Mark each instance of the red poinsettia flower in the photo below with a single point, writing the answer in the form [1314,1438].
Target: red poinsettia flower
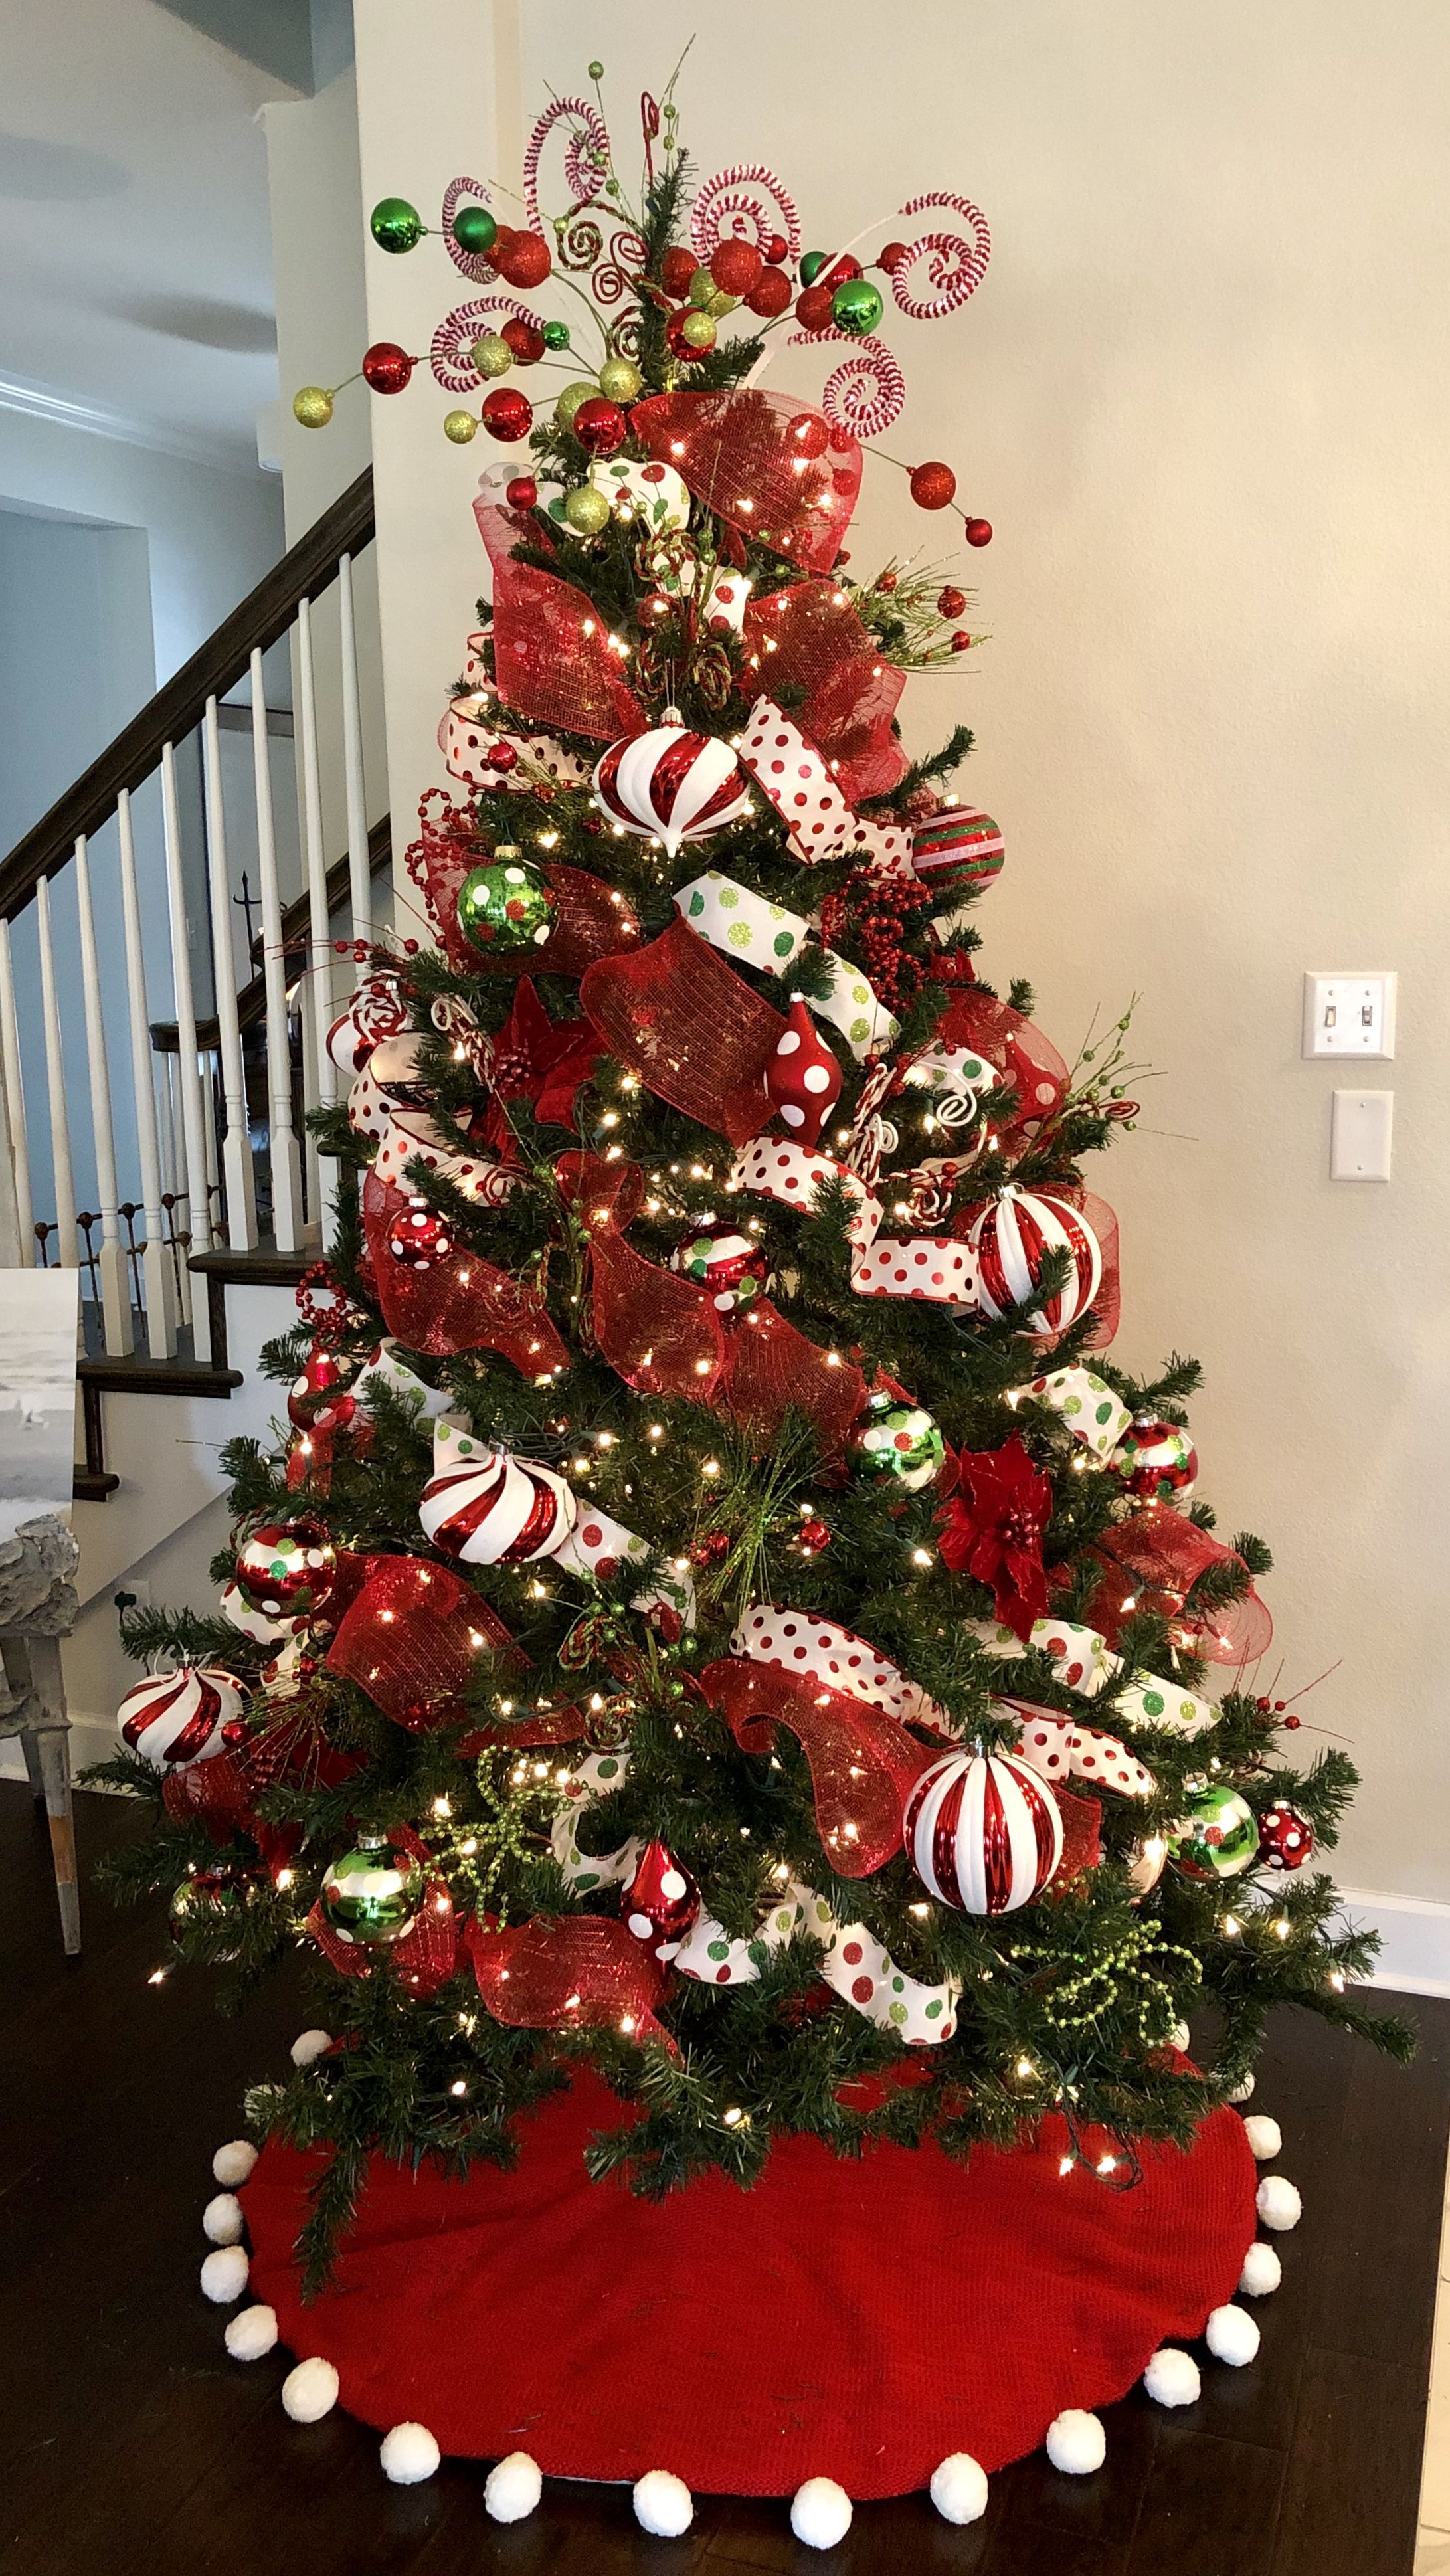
[537,1062]
[992,1528]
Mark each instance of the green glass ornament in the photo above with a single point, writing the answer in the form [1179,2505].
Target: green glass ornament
[856,307]
[620,380]
[567,403]
[1218,1836]
[507,904]
[474,229]
[556,335]
[395,225]
[586,510]
[897,1442]
[698,331]
[460,426]
[491,354]
[373,1894]
[812,263]
[312,405]
[596,71]
[211,1900]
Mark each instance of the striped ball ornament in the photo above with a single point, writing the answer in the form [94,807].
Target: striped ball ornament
[983,1831]
[174,1719]
[672,785]
[496,1510]
[1010,1239]
[958,846]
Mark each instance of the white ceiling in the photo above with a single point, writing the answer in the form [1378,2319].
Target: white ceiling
[135,261]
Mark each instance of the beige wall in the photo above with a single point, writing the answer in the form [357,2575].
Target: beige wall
[1204,394]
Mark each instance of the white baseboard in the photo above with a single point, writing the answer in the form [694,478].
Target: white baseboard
[1415,1935]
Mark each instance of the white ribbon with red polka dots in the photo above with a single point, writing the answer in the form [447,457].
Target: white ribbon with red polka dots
[1057,1746]
[795,1642]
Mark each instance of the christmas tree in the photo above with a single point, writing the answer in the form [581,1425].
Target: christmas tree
[716,1609]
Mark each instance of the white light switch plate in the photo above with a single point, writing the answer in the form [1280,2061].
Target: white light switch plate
[1359,1135]
[1349,1015]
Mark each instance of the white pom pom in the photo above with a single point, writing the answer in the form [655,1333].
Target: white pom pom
[1262,2271]
[224,2274]
[1076,2442]
[959,2488]
[663,2504]
[512,2488]
[1265,2137]
[1243,2092]
[221,2220]
[233,2164]
[309,2045]
[251,2332]
[1278,2203]
[409,2454]
[820,2513]
[1178,2038]
[1232,2335]
[1171,2377]
[310,2391]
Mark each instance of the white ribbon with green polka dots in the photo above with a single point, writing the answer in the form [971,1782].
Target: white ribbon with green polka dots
[765,935]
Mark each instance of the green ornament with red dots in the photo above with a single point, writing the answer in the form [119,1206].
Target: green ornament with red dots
[373,1894]
[897,1442]
[506,905]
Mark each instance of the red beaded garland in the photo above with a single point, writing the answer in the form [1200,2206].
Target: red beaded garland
[507,414]
[933,485]
[386,367]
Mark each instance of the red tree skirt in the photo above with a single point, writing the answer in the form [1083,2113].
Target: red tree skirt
[857,2321]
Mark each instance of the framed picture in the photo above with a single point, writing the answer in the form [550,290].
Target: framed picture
[39,1314]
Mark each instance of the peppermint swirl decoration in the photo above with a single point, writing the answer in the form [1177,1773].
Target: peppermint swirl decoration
[954,266]
[865,394]
[744,203]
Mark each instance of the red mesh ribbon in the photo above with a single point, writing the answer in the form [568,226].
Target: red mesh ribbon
[464,1305]
[1030,1061]
[770,1367]
[591,919]
[415,1640]
[1151,1561]
[216,1794]
[864,1765]
[740,454]
[426,1957]
[808,638]
[680,1018]
[568,1972]
[1082,1846]
[552,657]
[658,1331]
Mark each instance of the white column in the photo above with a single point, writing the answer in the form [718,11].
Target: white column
[286,1168]
[67,1237]
[237,1173]
[115,1284]
[188,1088]
[359,873]
[155,1260]
[15,1102]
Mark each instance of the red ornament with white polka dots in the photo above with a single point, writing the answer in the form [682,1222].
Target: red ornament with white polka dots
[1286,1839]
[661,1901]
[803,1078]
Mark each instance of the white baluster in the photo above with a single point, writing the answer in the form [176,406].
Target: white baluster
[67,1236]
[286,1167]
[205,1061]
[359,872]
[237,1172]
[12,1250]
[188,1088]
[115,1284]
[316,994]
[15,1102]
[172,1173]
[307,1032]
[155,1260]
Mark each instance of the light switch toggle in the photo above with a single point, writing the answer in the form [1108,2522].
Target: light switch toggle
[1359,1135]
[1349,1015]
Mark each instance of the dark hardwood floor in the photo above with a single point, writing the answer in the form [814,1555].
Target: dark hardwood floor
[129,2444]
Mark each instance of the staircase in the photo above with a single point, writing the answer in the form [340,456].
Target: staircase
[204,1045]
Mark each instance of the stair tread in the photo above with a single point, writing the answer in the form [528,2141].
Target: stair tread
[139,1374]
[264,1268]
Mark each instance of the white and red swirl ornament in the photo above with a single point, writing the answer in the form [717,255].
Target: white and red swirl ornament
[984,1832]
[1010,1240]
[174,1719]
[485,1507]
[671,785]
[376,1011]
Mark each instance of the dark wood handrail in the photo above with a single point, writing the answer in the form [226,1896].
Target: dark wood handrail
[303,573]
[296,925]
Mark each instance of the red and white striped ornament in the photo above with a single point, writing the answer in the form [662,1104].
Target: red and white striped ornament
[983,1831]
[958,846]
[672,785]
[488,1508]
[377,1010]
[1010,1239]
[175,1719]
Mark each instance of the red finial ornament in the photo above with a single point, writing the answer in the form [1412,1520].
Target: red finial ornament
[661,1901]
[803,1078]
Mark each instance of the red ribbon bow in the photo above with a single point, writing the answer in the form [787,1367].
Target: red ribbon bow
[658,1331]
[463,1303]
[568,1972]
[863,1763]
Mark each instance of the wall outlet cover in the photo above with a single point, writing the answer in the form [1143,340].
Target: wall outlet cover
[1360,1129]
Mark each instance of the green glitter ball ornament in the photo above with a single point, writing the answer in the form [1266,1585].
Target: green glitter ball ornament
[460,426]
[856,307]
[1218,1836]
[395,225]
[556,335]
[567,403]
[506,905]
[491,354]
[312,405]
[586,510]
[596,71]
[474,229]
[372,1895]
[897,1442]
[701,288]
[619,380]
[698,331]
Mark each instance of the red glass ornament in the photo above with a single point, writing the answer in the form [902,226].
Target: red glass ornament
[502,755]
[523,258]
[979,532]
[770,294]
[961,641]
[886,581]
[661,1901]
[813,1535]
[419,1237]
[677,269]
[525,339]
[675,341]
[522,493]
[933,485]
[950,602]
[600,425]
[320,1393]
[776,249]
[813,308]
[803,1079]
[286,1569]
[735,266]
[712,1549]
[839,272]
[1286,1839]
[386,367]
[507,414]
[810,435]
[890,253]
